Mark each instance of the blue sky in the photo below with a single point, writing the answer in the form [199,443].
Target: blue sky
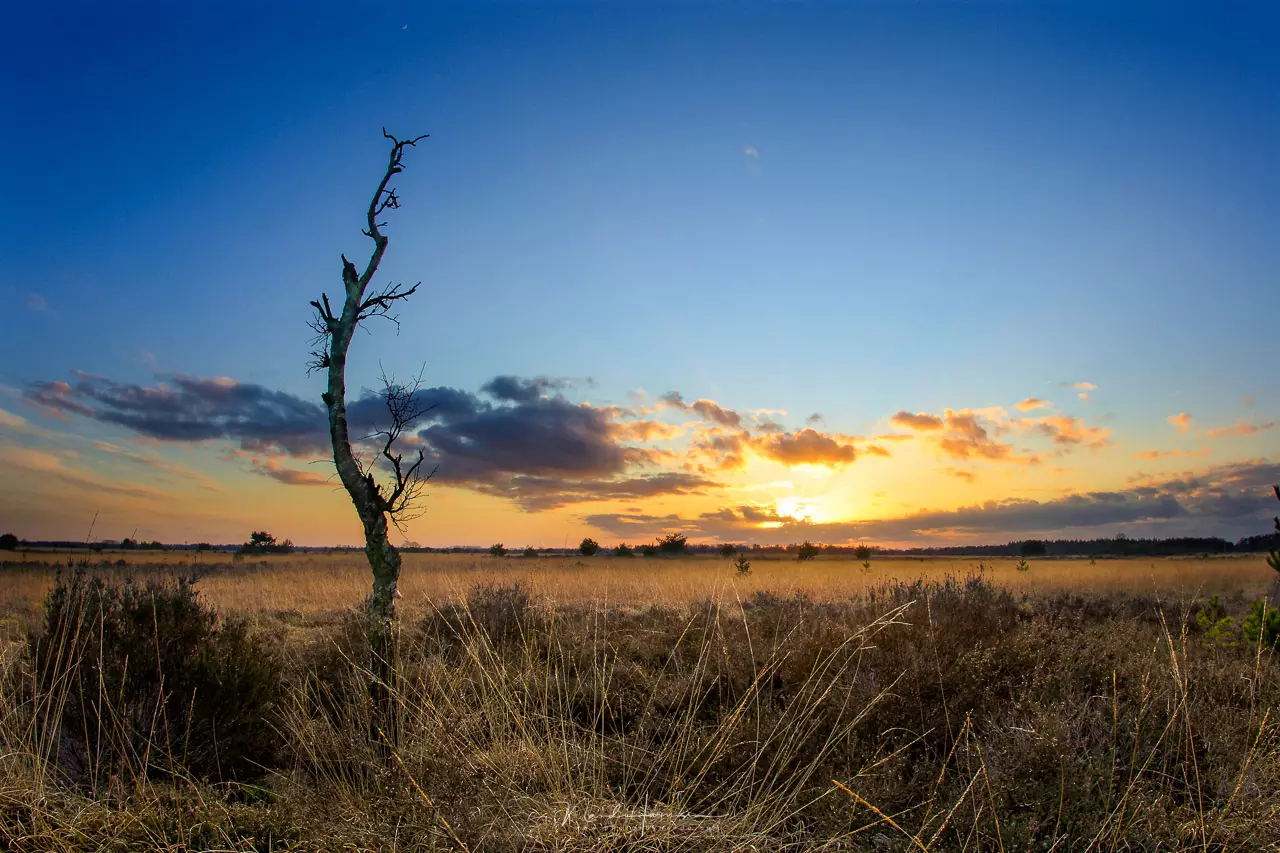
[849,209]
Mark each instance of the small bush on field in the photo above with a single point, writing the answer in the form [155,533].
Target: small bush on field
[149,679]
[497,550]
[623,550]
[588,547]
[1262,625]
[807,551]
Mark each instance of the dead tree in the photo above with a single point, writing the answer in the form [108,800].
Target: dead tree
[377,505]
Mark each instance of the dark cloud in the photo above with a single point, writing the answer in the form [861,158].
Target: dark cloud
[516,389]
[710,410]
[538,451]
[673,398]
[187,408]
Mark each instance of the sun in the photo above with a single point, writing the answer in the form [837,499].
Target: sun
[802,509]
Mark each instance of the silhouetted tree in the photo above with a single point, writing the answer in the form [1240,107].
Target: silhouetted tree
[862,552]
[497,550]
[375,505]
[727,550]
[807,551]
[260,542]
[623,550]
[673,543]
[8,542]
[588,547]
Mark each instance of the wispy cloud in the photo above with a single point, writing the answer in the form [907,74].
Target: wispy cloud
[1032,403]
[1240,429]
[921,422]
[1174,454]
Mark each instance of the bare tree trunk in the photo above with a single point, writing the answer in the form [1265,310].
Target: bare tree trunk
[372,506]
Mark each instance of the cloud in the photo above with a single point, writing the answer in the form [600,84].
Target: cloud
[1067,430]
[920,422]
[708,410]
[187,408]
[37,303]
[291,476]
[960,474]
[1173,454]
[1031,403]
[1083,387]
[806,447]
[40,467]
[751,151]
[645,431]
[10,421]
[815,418]
[1230,500]
[534,494]
[1241,428]
[965,438]
[1181,422]
[1247,400]
[517,390]
[713,412]
[533,449]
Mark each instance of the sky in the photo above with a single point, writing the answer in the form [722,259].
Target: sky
[897,273]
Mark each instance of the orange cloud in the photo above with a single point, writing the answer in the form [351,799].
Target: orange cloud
[968,439]
[644,431]
[1173,454]
[1241,429]
[960,474]
[1064,429]
[922,421]
[806,447]
[1181,422]
[1032,403]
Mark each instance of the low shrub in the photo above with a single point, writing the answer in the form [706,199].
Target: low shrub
[145,678]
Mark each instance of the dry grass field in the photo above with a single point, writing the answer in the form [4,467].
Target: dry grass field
[573,704]
[328,582]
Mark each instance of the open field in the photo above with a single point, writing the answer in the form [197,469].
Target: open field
[319,583]
[573,704]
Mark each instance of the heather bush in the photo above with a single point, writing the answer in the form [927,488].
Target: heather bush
[146,678]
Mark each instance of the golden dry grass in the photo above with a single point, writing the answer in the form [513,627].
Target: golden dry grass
[943,716]
[326,582]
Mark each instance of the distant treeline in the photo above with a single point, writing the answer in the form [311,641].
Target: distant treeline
[1119,546]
